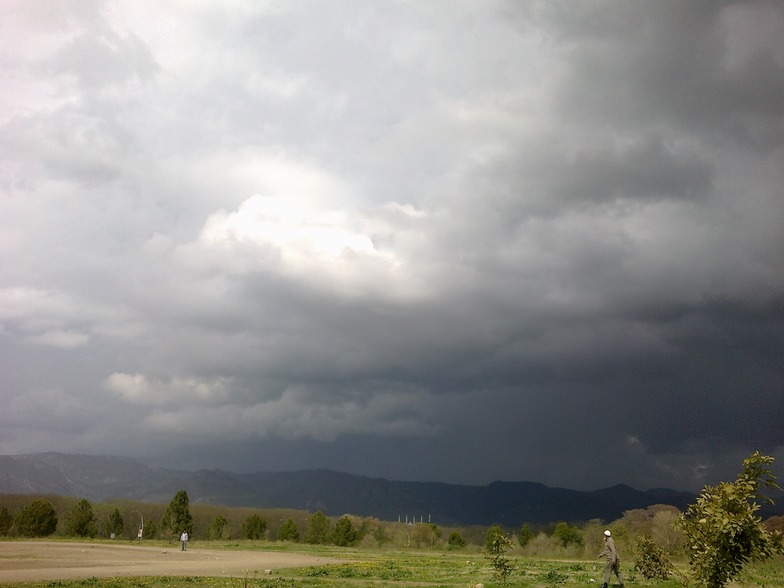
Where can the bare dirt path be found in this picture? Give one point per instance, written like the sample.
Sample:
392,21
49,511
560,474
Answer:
22,561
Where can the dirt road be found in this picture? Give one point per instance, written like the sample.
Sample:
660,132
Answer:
34,561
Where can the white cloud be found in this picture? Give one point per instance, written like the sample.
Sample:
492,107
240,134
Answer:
138,389
310,227
37,310
276,84
406,209
285,224
62,339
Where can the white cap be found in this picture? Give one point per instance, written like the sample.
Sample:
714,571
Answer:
607,533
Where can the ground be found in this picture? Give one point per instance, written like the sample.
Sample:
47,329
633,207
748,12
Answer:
38,560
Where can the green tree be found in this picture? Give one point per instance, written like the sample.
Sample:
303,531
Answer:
254,527
496,546
318,529
116,523
37,519
722,528
81,521
455,540
525,535
426,534
345,534
380,535
658,522
567,535
177,517
6,522
150,530
288,531
219,528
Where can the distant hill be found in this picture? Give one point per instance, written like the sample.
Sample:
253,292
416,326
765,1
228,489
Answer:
99,478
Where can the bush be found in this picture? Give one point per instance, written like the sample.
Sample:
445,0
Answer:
652,562
455,540
427,534
554,577
496,545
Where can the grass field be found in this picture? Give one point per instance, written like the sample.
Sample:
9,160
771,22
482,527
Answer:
363,568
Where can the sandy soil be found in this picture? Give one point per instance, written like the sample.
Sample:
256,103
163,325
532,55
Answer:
34,561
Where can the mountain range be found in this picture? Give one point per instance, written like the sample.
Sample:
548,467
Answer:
101,478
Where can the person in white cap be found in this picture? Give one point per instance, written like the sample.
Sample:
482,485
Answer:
613,561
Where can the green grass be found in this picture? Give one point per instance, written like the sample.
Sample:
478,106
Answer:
380,568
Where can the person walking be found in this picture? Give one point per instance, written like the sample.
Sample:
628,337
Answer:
184,540
613,562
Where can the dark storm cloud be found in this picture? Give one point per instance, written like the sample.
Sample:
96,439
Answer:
702,66
485,241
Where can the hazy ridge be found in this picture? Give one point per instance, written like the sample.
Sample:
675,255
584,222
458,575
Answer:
101,478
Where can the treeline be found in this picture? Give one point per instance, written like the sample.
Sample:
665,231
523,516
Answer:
25,516
43,516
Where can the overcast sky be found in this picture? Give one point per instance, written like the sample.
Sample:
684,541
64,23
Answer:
456,241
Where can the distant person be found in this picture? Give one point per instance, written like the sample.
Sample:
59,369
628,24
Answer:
184,540
613,561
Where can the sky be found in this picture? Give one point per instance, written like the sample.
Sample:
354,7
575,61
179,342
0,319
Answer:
443,240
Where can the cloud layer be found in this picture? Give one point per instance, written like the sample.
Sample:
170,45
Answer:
443,241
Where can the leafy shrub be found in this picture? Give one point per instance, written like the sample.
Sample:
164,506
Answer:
496,545
455,540
722,528
652,562
553,577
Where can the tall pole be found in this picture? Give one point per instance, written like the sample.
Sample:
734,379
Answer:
141,526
